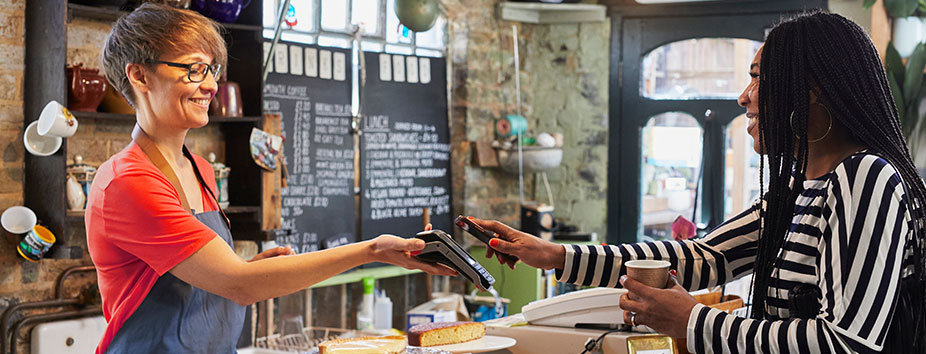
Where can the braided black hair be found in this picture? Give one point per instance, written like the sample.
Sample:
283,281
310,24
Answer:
834,57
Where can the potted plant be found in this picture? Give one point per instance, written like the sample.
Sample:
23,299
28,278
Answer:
909,28
907,87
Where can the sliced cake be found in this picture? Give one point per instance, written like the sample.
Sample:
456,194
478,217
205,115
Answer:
442,333
364,345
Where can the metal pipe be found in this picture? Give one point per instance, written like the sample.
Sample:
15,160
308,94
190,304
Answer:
59,294
276,38
4,320
95,311
58,301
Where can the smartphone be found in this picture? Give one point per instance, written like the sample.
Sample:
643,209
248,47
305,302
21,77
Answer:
481,234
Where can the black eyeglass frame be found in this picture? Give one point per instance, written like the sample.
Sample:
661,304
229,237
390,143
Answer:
216,69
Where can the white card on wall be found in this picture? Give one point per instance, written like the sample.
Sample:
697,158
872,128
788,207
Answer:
324,64
295,60
385,67
311,62
281,58
411,69
398,68
424,70
340,66
267,51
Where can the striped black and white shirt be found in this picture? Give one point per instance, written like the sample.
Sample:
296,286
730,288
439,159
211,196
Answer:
849,238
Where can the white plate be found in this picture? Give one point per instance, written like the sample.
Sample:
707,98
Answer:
484,344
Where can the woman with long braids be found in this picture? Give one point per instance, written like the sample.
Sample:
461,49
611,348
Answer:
834,244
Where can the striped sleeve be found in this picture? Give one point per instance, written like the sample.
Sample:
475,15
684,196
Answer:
859,267
724,254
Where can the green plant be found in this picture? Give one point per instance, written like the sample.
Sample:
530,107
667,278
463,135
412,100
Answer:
900,8
907,87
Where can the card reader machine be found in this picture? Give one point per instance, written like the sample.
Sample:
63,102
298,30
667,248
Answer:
440,248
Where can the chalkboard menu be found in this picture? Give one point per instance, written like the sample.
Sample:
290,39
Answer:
310,87
405,147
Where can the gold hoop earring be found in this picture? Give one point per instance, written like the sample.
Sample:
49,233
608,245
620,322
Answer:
828,129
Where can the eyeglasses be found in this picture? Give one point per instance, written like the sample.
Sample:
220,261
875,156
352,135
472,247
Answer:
196,72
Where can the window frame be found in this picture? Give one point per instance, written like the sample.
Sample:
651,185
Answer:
378,38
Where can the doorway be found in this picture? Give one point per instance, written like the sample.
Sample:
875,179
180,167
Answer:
678,145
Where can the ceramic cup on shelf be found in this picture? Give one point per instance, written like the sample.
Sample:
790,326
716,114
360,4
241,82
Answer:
56,120
40,145
227,101
18,220
113,102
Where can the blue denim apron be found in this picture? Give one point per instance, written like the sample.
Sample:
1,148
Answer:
176,317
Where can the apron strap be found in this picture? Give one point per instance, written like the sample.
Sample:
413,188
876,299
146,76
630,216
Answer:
157,158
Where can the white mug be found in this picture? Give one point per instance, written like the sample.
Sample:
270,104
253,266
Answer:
57,120
18,219
39,145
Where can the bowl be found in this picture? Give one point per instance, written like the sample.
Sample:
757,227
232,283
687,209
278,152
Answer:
536,159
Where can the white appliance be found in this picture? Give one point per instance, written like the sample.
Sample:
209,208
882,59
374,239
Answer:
78,336
595,307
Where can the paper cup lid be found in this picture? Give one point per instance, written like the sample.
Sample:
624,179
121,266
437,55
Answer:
647,263
18,219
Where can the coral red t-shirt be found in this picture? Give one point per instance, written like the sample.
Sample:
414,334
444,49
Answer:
137,230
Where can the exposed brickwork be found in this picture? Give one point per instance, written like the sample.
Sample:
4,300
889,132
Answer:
564,85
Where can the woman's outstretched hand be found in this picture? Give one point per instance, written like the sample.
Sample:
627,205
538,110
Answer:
530,249
396,250
274,252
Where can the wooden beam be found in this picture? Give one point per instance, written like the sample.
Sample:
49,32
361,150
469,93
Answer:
43,81
271,199
880,28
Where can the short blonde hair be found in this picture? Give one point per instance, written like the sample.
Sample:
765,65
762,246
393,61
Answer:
153,30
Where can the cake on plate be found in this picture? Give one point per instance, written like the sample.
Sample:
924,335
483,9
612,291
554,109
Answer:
364,345
442,333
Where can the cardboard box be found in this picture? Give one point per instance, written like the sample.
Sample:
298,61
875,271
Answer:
443,308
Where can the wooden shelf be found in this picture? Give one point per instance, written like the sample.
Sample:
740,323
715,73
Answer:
128,118
112,14
551,13
358,275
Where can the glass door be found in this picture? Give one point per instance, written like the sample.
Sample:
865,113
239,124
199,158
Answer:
672,138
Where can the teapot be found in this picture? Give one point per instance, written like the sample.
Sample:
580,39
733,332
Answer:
86,89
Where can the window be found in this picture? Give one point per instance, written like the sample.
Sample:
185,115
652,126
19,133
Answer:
696,69
330,23
670,175
741,175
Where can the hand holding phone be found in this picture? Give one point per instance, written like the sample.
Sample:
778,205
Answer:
480,233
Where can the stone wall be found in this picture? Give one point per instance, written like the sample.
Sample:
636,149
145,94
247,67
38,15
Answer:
564,89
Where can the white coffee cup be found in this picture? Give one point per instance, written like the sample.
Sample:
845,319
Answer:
57,120
18,219
40,145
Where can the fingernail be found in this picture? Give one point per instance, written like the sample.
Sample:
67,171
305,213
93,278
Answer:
673,272
623,277
415,253
469,217
493,242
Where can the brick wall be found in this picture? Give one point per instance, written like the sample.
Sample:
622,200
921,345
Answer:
564,89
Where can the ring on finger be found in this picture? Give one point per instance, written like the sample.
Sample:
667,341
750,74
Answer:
633,319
